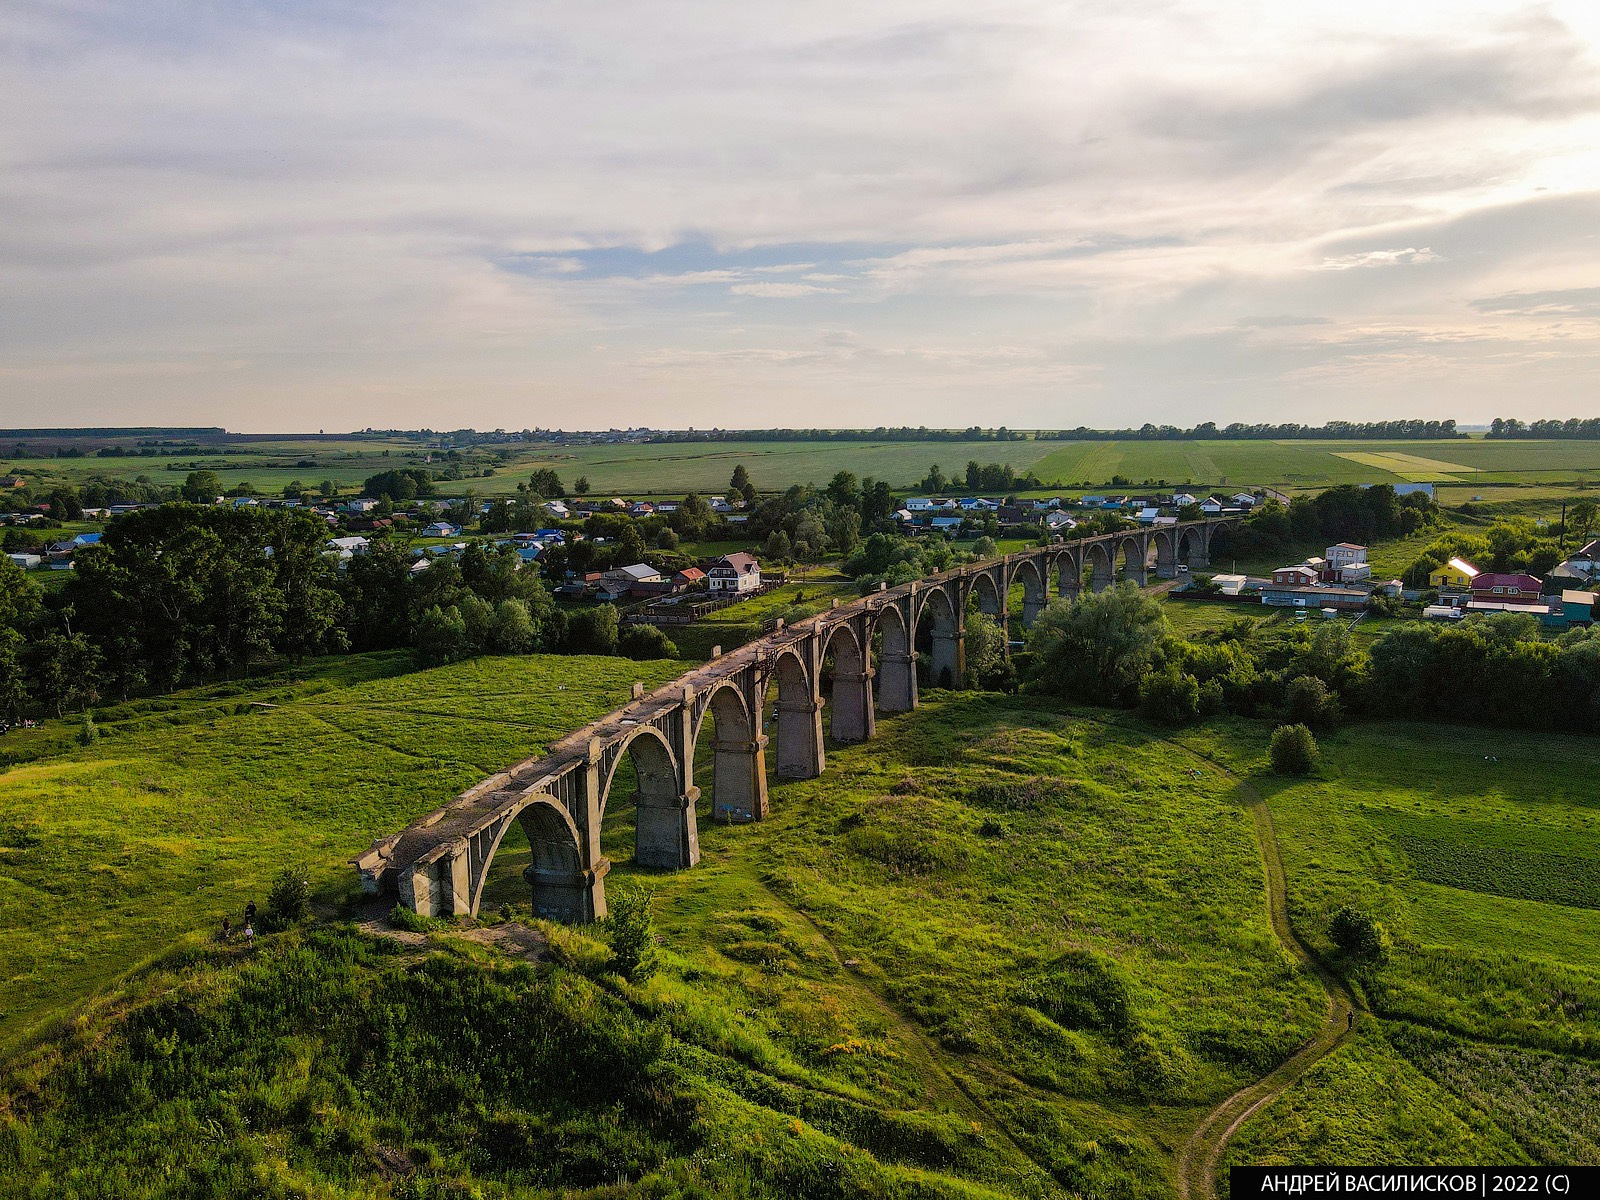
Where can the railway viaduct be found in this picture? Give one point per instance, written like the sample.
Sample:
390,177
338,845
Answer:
438,865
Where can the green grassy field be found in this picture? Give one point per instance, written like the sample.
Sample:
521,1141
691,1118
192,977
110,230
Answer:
1006,948
1478,851
190,803
1470,467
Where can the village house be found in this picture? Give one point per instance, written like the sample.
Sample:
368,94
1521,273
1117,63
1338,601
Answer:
1347,563
734,573
347,547
25,560
620,581
1453,581
1518,587
440,529
1300,575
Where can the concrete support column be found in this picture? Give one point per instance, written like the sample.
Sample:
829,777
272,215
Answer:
594,864
575,898
1069,581
739,780
1135,571
1167,558
800,754
854,716
1104,575
664,832
1032,606
1199,559
897,682
949,661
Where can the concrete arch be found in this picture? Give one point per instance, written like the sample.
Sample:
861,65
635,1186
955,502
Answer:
738,756
1194,547
1165,542
1132,550
555,874
1034,577
1098,561
939,617
664,826
799,717
897,663
1068,569
991,596
853,717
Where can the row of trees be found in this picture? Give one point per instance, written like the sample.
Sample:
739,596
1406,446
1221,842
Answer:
1572,427
1347,513
988,477
1115,647
1409,428
182,593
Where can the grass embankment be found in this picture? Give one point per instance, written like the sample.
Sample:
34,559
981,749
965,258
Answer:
1477,850
190,803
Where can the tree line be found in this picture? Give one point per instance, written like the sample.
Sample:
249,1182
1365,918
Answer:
183,593
1115,647
1572,427
1407,429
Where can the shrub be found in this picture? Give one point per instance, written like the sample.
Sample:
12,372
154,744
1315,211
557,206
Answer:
593,631
411,921
441,636
1309,701
631,930
1170,696
288,899
88,731
1359,936
1294,750
642,642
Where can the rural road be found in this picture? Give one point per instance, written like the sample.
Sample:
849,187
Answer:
1201,1157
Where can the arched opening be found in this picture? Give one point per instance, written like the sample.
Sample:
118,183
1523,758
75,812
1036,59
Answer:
850,687
1101,570
940,625
897,665
1165,543
987,593
730,765
1069,575
1031,592
538,858
1192,548
797,716
1132,552
644,784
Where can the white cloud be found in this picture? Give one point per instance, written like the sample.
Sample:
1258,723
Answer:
1377,258
288,214
782,291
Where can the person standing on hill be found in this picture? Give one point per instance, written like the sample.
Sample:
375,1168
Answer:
227,929
250,913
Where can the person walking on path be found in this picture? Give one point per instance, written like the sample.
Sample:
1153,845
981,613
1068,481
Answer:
250,913
1350,1019
227,929
249,935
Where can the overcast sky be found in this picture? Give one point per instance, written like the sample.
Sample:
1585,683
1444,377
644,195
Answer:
286,214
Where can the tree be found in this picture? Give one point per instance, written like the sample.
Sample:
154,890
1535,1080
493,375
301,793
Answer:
1294,750
643,642
666,539
513,631
987,665
580,486
288,899
593,631
934,480
843,490
1581,516
441,636
844,529
1097,647
984,548
974,475
412,483
1359,936
1309,701
777,547
631,930
66,671
546,483
740,480
1170,696
201,487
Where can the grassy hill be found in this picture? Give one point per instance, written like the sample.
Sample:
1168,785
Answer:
1005,949
189,804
